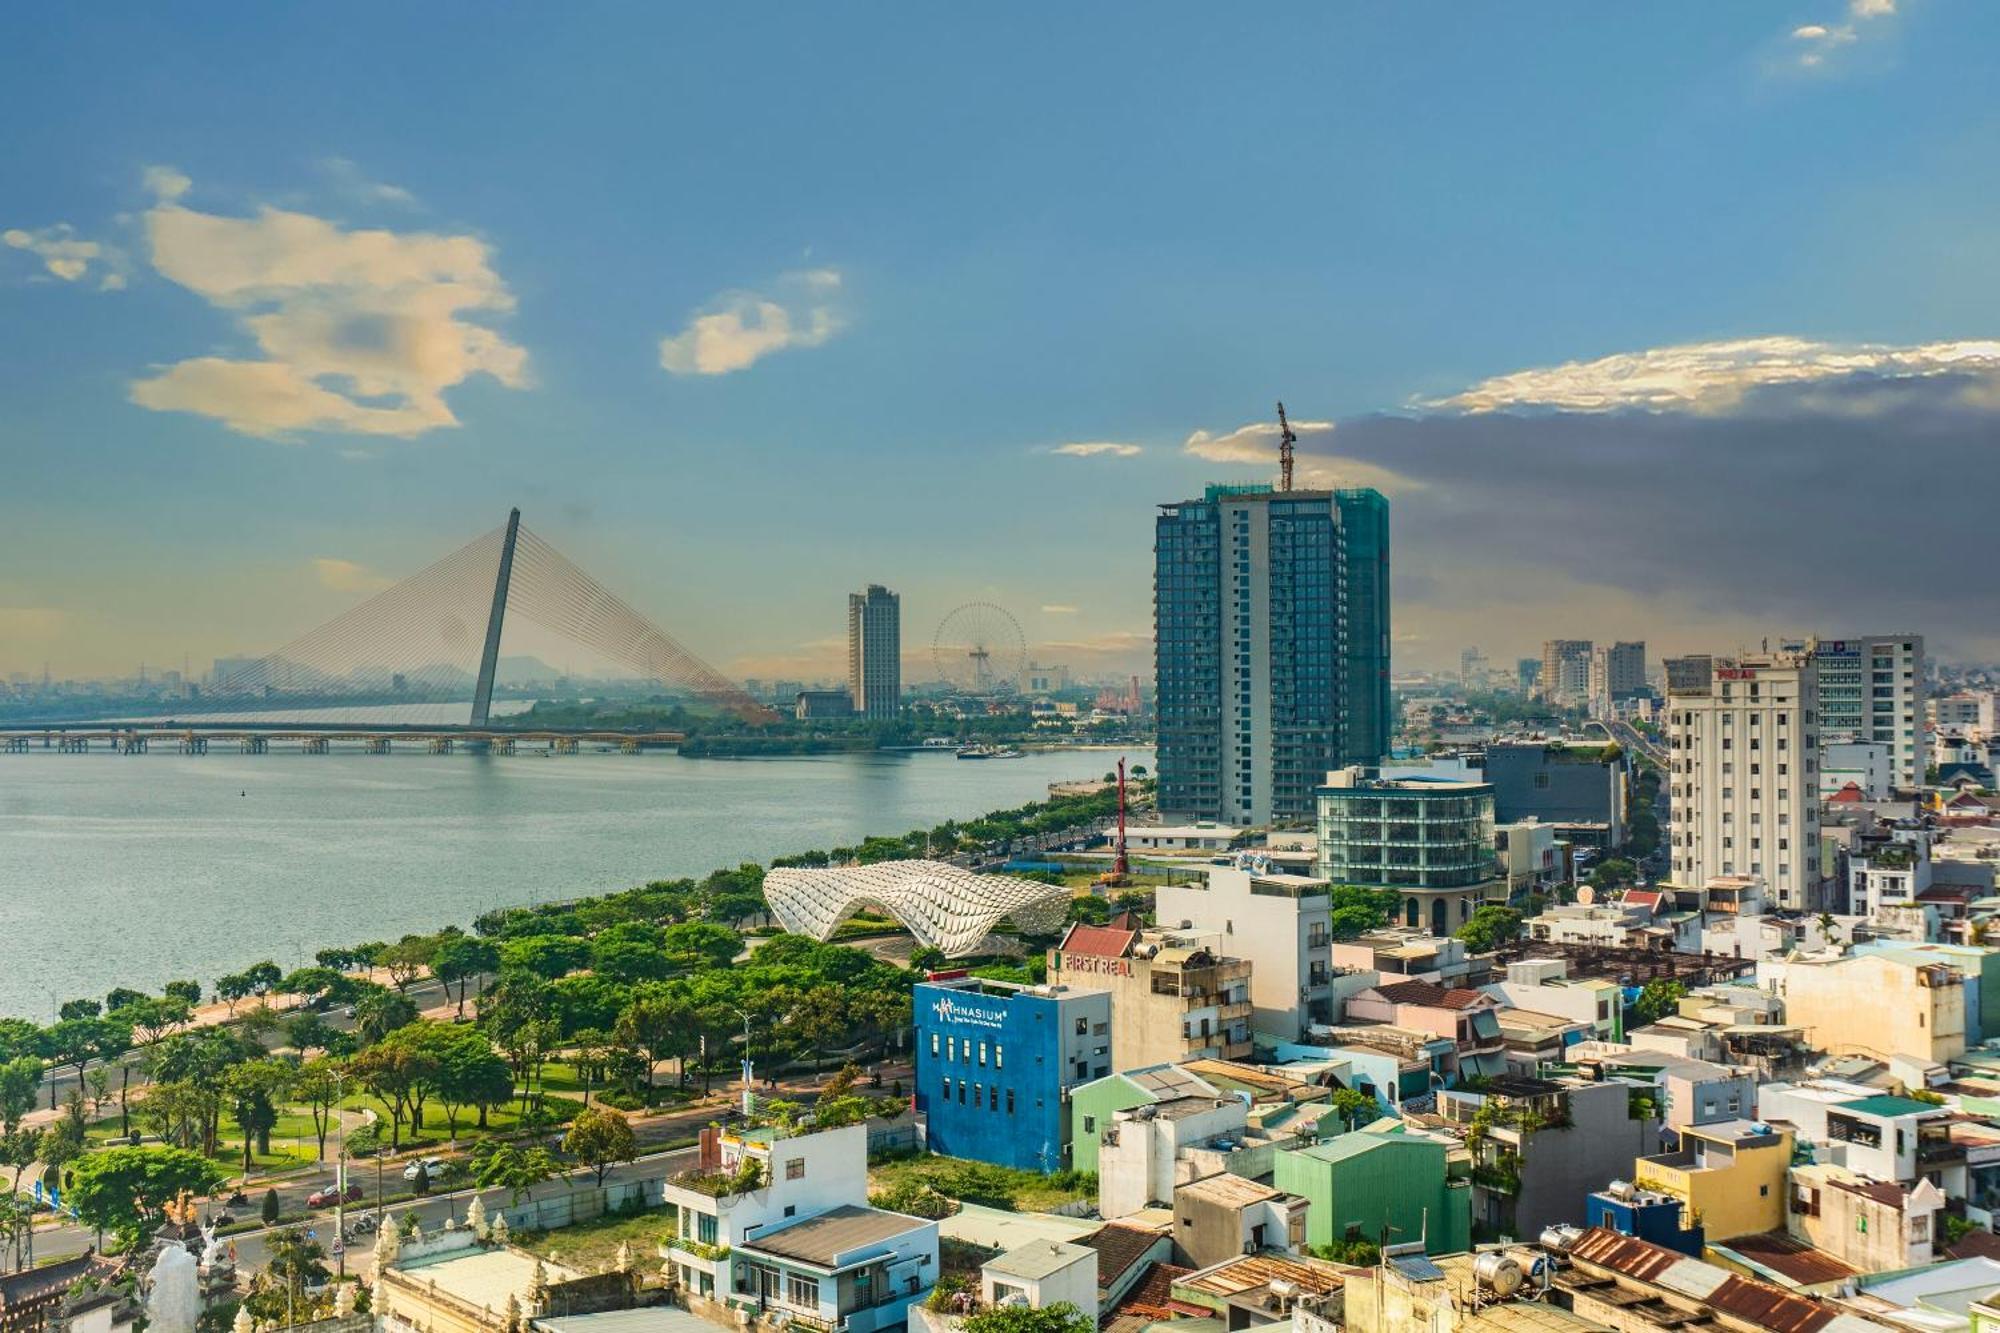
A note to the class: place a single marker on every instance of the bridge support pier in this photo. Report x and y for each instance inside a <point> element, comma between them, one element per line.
<point>440,745</point>
<point>378,745</point>
<point>17,745</point>
<point>129,744</point>
<point>501,745</point>
<point>194,745</point>
<point>252,745</point>
<point>313,745</point>
<point>629,747</point>
<point>72,744</point>
<point>563,745</point>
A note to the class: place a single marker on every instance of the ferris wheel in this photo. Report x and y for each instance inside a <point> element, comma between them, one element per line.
<point>979,649</point>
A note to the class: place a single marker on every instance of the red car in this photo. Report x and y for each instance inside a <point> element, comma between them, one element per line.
<point>327,1197</point>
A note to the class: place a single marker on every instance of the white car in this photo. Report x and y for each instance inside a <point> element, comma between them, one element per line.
<point>430,1165</point>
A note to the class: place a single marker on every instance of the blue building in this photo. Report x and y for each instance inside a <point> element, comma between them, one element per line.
<point>996,1062</point>
<point>1645,1214</point>
<point>1271,643</point>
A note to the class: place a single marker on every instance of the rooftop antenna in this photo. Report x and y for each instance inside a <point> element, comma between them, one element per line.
<point>1286,439</point>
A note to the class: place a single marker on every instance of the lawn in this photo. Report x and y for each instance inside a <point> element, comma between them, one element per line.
<point>983,1183</point>
<point>588,1244</point>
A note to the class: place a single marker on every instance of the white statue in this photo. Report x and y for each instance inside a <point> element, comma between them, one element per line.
<point>499,1228</point>
<point>174,1303</point>
<point>243,1323</point>
<point>475,1219</point>
<point>623,1260</point>
<point>343,1300</point>
<point>213,1252</point>
<point>388,1245</point>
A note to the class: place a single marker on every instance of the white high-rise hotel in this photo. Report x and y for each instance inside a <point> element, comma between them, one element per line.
<point>1743,741</point>
<point>1871,689</point>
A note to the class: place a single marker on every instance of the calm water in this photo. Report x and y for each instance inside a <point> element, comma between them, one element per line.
<point>134,870</point>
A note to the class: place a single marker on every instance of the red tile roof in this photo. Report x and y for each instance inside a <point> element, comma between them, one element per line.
<point>1118,1248</point>
<point>1650,899</point>
<point>1151,1298</point>
<point>1850,794</point>
<point>1434,996</point>
<point>1097,941</point>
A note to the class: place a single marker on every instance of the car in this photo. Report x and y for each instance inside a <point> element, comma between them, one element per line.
<point>327,1197</point>
<point>430,1165</point>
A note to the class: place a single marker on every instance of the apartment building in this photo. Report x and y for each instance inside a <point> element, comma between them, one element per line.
<point>1871,688</point>
<point>1280,924</point>
<point>1743,749</point>
<point>1174,995</point>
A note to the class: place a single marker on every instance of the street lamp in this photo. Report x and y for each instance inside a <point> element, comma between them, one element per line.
<point>745,1014</point>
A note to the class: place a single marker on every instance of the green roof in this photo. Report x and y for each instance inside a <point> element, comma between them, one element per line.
<point>1887,1106</point>
<point>1357,1142</point>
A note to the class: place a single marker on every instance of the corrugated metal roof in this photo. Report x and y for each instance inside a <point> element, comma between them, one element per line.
<point>1257,1270</point>
<point>1761,1304</point>
<point>1229,1190</point>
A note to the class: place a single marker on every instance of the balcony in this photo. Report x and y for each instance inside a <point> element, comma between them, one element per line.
<point>699,1251</point>
<point>719,1184</point>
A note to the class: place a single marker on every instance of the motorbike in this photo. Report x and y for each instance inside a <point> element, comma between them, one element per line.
<point>238,1200</point>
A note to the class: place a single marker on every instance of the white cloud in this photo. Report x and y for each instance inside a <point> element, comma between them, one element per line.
<point>1097,448</point>
<point>740,328</point>
<point>1819,40</point>
<point>355,184</point>
<point>166,184</point>
<point>347,576</point>
<point>1254,443</point>
<point>1715,376</point>
<point>67,256</point>
<point>1059,609</point>
<point>1314,469</point>
<point>361,331</point>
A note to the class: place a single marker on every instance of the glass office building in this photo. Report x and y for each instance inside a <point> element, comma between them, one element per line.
<point>1271,643</point>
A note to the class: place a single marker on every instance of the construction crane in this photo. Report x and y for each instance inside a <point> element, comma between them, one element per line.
<point>1121,866</point>
<point>1287,437</point>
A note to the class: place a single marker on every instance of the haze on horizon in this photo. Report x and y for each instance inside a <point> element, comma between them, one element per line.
<point>1674,325</point>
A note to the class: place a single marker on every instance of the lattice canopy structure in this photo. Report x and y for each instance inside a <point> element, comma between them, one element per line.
<point>946,908</point>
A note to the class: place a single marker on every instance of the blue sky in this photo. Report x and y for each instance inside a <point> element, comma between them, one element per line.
<point>747,306</point>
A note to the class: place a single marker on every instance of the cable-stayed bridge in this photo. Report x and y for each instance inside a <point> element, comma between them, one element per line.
<point>426,648</point>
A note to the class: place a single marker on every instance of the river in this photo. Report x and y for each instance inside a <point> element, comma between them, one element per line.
<point>136,870</point>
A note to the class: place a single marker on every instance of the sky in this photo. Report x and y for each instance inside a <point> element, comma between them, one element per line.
<point>1679,323</point>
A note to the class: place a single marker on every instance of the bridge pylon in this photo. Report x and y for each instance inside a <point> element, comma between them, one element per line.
<point>489,657</point>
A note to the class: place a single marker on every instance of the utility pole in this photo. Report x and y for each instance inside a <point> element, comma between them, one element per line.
<point>1286,439</point>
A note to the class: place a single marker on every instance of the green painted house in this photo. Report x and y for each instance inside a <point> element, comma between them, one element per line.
<point>1093,1104</point>
<point>1359,1182</point>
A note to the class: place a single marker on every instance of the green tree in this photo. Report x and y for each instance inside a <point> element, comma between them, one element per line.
<point>1354,1107</point>
<point>151,1019</point>
<point>599,1137</point>
<point>1656,1000</point>
<point>407,958</point>
<point>470,1073</point>
<point>264,977</point>
<point>270,1209</point>
<point>1490,927</point>
<point>187,991</point>
<point>318,1085</point>
<point>233,989</point>
<point>658,1025</point>
<point>511,1167</point>
<point>380,1012</point>
<point>20,1078</point>
<point>308,1032</point>
<point>460,958</point>
<point>64,1141</point>
<point>256,1089</point>
<point>1061,1317</point>
<point>547,956</point>
<point>122,1190</point>
<point>80,1009</point>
